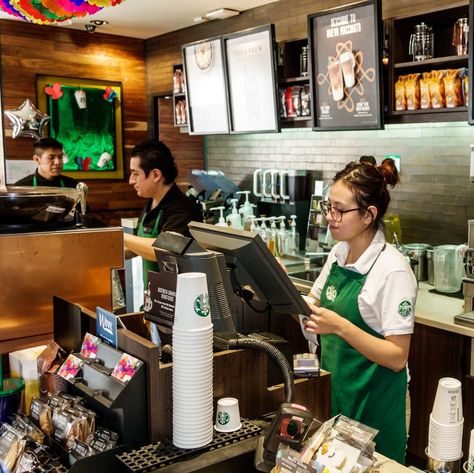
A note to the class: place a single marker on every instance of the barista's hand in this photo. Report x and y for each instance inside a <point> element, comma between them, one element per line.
<point>324,321</point>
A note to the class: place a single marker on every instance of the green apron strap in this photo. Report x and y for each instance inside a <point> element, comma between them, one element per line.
<point>148,265</point>
<point>361,389</point>
<point>35,181</point>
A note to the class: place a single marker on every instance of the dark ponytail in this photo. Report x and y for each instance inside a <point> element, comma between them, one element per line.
<point>369,183</point>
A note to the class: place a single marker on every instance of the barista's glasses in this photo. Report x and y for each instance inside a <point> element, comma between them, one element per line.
<point>336,214</point>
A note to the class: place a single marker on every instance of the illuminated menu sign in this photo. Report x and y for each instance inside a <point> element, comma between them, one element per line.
<point>345,80</point>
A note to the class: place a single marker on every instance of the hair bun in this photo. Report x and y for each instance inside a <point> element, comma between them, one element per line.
<point>368,160</point>
<point>389,171</point>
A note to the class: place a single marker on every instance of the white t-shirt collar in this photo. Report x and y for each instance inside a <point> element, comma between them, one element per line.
<point>364,263</point>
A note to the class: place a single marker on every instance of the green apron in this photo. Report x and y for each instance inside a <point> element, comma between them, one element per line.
<point>361,389</point>
<point>35,182</point>
<point>148,265</point>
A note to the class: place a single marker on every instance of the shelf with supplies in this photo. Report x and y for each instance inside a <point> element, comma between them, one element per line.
<point>293,84</point>
<point>180,113</point>
<point>428,64</point>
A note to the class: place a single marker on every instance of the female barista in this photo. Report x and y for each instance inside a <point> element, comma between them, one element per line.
<point>363,306</point>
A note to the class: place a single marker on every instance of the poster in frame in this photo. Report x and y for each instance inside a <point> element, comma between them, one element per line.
<point>252,80</point>
<point>206,88</point>
<point>86,117</point>
<point>345,63</point>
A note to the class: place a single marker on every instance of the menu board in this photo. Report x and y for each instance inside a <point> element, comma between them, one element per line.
<point>345,60</point>
<point>206,87</point>
<point>251,75</point>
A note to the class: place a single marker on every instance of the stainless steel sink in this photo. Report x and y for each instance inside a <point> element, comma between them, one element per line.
<point>307,275</point>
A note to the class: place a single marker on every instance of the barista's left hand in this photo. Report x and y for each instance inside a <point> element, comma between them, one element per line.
<point>324,321</point>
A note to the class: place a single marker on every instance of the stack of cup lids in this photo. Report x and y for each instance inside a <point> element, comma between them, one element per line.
<point>192,363</point>
<point>446,422</point>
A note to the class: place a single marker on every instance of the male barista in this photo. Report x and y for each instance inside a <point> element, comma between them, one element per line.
<point>152,173</point>
<point>48,155</point>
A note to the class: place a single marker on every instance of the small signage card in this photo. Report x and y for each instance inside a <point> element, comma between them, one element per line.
<point>89,347</point>
<point>126,368</point>
<point>106,326</point>
<point>160,299</point>
<point>70,367</point>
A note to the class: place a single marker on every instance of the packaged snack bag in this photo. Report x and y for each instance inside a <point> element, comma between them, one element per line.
<point>452,88</point>
<point>400,97</point>
<point>438,99</point>
<point>425,98</point>
<point>412,91</point>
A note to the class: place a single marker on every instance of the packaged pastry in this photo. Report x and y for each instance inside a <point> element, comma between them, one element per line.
<point>425,98</point>
<point>296,97</point>
<point>67,427</point>
<point>24,425</point>
<point>452,88</point>
<point>10,446</point>
<point>290,107</point>
<point>33,457</point>
<point>282,96</point>
<point>412,91</point>
<point>104,439</point>
<point>41,414</point>
<point>305,101</point>
<point>400,97</point>
<point>438,99</point>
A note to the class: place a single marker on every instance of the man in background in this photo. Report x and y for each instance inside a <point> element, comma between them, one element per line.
<point>48,154</point>
<point>153,173</point>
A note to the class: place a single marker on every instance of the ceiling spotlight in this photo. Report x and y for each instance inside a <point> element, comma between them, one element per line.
<point>90,28</point>
<point>221,14</point>
<point>99,22</point>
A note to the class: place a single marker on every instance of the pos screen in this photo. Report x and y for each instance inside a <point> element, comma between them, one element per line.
<point>252,264</point>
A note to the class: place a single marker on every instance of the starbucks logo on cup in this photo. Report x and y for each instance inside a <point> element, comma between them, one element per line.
<point>223,418</point>
<point>201,305</point>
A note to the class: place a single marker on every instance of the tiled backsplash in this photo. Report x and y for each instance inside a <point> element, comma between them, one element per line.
<point>434,200</point>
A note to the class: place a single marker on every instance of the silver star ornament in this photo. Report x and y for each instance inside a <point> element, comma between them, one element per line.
<point>27,120</point>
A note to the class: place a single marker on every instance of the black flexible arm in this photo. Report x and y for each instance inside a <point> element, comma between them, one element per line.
<point>276,355</point>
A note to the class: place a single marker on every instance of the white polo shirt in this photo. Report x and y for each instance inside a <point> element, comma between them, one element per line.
<point>387,299</point>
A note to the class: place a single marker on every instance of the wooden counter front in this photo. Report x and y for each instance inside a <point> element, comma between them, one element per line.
<point>72,264</point>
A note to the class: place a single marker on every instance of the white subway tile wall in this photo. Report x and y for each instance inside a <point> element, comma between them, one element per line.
<point>434,200</point>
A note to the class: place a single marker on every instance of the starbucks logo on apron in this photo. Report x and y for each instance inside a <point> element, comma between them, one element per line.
<point>331,293</point>
<point>201,305</point>
<point>405,309</point>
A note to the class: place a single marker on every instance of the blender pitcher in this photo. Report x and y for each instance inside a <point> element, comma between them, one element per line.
<point>421,45</point>
<point>461,36</point>
<point>448,267</point>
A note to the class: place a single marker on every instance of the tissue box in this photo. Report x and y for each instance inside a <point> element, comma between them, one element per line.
<point>23,364</point>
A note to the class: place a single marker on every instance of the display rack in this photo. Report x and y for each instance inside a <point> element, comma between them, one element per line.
<point>122,406</point>
<point>401,63</point>
<point>317,230</point>
<point>180,114</point>
<point>292,74</point>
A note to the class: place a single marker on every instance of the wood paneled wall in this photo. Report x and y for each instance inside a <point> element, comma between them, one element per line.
<point>28,50</point>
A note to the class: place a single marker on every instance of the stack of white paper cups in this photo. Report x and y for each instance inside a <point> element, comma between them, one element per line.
<point>192,363</point>
<point>446,422</point>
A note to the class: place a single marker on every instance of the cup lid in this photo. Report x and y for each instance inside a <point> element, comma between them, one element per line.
<point>11,386</point>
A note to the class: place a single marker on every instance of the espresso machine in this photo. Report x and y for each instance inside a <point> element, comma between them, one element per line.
<point>468,281</point>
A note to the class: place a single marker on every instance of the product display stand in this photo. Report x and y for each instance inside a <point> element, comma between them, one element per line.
<point>122,407</point>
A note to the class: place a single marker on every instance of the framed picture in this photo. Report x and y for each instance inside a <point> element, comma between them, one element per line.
<point>345,60</point>
<point>204,68</point>
<point>86,117</point>
<point>251,78</point>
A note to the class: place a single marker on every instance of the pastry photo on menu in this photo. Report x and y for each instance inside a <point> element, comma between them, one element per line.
<point>70,367</point>
<point>90,345</point>
<point>126,368</point>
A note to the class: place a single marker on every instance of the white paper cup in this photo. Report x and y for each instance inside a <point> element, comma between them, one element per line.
<point>227,415</point>
<point>347,61</point>
<point>447,407</point>
<point>470,459</point>
<point>104,159</point>
<point>192,309</point>
<point>81,98</point>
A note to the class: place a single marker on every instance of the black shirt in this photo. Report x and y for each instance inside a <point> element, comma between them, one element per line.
<point>41,181</point>
<point>178,210</point>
